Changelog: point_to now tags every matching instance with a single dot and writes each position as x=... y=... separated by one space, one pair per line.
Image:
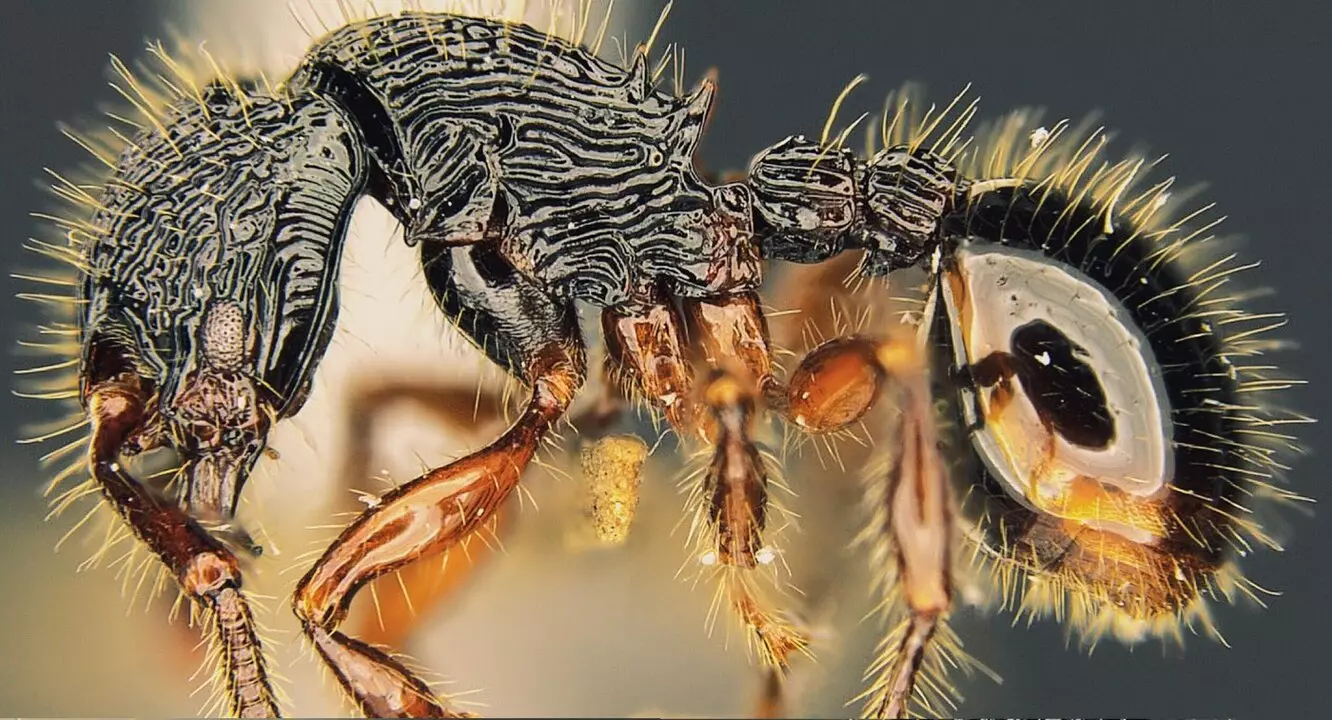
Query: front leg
x=206 y=571
x=536 y=338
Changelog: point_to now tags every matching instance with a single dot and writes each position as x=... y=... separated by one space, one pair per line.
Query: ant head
x=206 y=281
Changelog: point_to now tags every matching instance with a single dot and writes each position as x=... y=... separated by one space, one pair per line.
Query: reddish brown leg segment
x=402 y=600
x=834 y=386
x=423 y=517
x=918 y=518
x=655 y=348
x=462 y=408
x=206 y=571
x=730 y=332
x=735 y=508
x=646 y=347
x=736 y=488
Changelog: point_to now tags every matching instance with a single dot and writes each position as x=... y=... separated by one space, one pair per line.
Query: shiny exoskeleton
x=533 y=175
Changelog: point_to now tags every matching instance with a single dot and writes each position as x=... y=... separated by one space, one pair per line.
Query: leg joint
x=208 y=573
x=310 y=610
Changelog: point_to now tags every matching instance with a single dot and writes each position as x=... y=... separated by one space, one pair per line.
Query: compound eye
x=1068 y=406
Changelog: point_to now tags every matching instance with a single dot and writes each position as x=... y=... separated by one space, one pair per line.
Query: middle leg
x=403 y=600
x=533 y=336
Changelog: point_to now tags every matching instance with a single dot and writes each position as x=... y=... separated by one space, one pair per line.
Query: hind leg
x=833 y=387
x=536 y=338
x=703 y=365
x=729 y=335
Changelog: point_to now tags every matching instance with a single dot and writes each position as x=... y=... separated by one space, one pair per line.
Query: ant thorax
x=581 y=171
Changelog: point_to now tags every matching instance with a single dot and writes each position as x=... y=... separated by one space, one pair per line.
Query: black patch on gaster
x=1061 y=385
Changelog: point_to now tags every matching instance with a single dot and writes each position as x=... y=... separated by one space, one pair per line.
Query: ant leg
x=730 y=334
x=536 y=338
x=731 y=331
x=733 y=513
x=404 y=599
x=646 y=359
x=645 y=348
x=423 y=517
x=207 y=572
x=834 y=386
x=649 y=348
x=461 y=408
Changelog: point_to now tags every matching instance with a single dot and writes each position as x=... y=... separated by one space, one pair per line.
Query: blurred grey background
x=1235 y=92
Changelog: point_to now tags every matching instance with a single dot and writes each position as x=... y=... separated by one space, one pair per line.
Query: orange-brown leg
x=734 y=512
x=654 y=349
x=421 y=518
x=206 y=571
x=645 y=349
x=835 y=385
x=465 y=409
x=405 y=597
x=729 y=335
x=658 y=350
x=731 y=332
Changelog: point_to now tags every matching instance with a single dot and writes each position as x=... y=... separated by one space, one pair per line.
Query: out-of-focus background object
x=1230 y=90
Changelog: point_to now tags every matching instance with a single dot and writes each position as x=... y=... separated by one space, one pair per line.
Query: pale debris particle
x=612 y=469
x=1038 y=137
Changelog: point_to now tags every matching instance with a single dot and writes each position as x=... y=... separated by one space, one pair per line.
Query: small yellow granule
x=612 y=468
